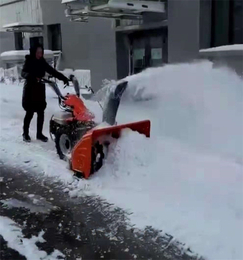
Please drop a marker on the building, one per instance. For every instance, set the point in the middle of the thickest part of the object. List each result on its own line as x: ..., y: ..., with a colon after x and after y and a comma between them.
x: 113, y: 40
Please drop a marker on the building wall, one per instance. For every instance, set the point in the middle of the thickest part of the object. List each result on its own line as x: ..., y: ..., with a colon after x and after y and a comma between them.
x: 183, y: 30
x: 27, y: 11
x: 89, y: 45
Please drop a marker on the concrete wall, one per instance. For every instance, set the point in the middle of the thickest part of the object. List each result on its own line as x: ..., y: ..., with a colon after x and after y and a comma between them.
x: 183, y: 30
x: 89, y: 45
x: 27, y: 11
x: 6, y: 43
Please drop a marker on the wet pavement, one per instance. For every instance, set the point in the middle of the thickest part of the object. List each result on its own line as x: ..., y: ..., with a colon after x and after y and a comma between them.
x: 80, y: 228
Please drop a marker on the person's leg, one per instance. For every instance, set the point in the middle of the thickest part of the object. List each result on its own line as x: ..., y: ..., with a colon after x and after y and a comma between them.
x: 40, y: 123
x: 27, y: 119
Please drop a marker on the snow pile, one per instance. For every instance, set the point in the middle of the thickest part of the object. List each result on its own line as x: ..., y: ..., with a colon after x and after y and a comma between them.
x: 10, y: 76
x: 26, y: 247
x: 186, y: 179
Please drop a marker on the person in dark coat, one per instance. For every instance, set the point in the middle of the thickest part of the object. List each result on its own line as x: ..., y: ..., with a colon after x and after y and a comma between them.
x: 34, y: 92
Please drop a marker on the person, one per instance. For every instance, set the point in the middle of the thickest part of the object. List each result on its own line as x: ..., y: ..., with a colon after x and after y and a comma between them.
x: 34, y: 91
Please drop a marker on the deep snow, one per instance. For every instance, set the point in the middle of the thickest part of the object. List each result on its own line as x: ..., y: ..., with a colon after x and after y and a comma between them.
x: 186, y: 179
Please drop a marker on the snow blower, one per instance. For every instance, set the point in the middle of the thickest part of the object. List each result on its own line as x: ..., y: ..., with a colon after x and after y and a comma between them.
x: 82, y: 142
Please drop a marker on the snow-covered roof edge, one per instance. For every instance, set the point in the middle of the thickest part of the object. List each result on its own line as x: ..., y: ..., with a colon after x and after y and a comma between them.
x: 225, y: 50
x: 20, y: 24
x: 13, y: 55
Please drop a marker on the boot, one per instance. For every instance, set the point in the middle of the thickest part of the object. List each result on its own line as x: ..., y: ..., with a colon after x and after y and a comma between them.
x: 26, y: 138
x: 40, y: 122
x: 27, y: 120
x: 42, y: 138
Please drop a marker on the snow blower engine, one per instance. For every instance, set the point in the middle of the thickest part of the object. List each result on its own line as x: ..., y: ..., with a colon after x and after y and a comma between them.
x: 82, y: 142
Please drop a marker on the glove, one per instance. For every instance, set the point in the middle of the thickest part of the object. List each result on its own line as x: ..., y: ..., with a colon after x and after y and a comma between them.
x: 66, y: 81
x: 62, y: 97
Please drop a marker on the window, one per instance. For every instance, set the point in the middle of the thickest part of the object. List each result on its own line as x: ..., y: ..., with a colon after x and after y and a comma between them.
x: 227, y: 22
x: 18, y: 39
x: 54, y: 37
x: 148, y: 49
x: 236, y: 22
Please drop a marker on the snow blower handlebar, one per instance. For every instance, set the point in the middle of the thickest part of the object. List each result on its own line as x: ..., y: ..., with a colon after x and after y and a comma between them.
x: 54, y: 86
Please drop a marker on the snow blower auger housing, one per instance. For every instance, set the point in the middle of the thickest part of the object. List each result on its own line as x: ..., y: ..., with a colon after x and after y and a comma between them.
x: 80, y: 140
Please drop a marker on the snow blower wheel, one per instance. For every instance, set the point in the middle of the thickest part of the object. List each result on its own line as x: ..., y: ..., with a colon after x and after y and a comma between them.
x: 64, y: 144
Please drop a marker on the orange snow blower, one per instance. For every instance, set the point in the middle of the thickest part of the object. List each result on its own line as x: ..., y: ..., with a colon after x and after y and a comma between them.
x: 80, y: 140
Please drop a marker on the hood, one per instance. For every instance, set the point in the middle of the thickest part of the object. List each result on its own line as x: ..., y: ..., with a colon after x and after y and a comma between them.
x: 33, y: 51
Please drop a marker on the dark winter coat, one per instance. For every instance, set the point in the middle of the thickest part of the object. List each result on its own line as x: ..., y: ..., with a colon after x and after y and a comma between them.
x: 34, y: 92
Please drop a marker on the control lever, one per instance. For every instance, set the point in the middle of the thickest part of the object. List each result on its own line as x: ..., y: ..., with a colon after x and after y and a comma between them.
x: 90, y: 89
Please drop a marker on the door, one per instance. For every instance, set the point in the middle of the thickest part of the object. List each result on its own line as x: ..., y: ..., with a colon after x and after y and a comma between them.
x: 147, y: 48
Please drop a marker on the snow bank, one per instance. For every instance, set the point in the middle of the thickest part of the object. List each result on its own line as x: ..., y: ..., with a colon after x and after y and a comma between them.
x: 26, y: 247
x: 186, y: 179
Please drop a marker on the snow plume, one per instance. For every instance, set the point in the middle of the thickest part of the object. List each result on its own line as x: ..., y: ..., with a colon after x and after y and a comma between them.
x: 192, y: 103
x: 106, y: 87
x: 26, y: 247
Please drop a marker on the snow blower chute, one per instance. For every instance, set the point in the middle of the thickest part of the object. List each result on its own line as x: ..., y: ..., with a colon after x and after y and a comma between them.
x: 80, y: 140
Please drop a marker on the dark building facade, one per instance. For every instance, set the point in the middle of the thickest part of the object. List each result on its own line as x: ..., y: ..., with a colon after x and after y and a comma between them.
x: 114, y: 48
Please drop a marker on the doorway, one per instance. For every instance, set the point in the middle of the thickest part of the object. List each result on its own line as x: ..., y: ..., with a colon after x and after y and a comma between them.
x: 148, y: 49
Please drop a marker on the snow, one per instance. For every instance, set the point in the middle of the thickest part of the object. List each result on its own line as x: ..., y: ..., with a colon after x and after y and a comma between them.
x: 31, y: 202
x: 14, y: 55
x: 17, y: 24
x: 185, y: 180
x: 26, y: 247
x: 234, y: 47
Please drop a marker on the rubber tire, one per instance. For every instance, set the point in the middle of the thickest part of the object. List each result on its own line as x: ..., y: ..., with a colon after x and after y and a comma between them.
x: 58, y: 135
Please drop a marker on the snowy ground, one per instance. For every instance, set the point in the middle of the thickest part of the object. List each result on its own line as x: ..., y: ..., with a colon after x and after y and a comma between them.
x: 40, y: 221
x: 186, y: 179
x: 26, y: 247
